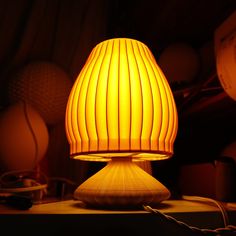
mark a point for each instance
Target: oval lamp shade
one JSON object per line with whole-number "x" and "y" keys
{"x": 45, "y": 86}
{"x": 180, "y": 63}
{"x": 121, "y": 108}
{"x": 24, "y": 137}
{"x": 225, "y": 64}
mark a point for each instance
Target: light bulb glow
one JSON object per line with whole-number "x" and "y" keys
{"x": 121, "y": 104}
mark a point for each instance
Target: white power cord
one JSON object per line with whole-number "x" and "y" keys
{"x": 208, "y": 200}
{"x": 228, "y": 229}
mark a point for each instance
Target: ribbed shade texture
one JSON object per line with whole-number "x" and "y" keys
{"x": 121, "y": 105}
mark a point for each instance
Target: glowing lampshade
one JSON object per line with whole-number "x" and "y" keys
{"x": 121, "y": 108}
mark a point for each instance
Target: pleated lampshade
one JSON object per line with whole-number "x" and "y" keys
{"x": 121, "y": 106}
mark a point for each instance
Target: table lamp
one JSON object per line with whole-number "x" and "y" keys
{"x": 121, "y": 109}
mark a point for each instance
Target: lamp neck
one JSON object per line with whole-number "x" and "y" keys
{"x": 121, "y": 159}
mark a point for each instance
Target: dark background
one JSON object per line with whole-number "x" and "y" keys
{"x": 65, "y": 31}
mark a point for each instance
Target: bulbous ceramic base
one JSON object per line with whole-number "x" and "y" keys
{"x": 121, "y": 184}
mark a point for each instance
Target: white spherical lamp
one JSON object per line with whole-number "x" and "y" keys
{"x": 180, "y": 63}
{"x": 24, "y": 137}
{"x": 45, "y": 86}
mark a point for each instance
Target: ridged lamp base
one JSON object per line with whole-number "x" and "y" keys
{"x": 121, "y": 184}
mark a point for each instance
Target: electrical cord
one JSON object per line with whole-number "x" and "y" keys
{"x": 22, "y": 188}
{"x": 217, "y": 203}
{"x": 217, "y": 232}
{"x": 62, "y": 179}
{"x": 61, "y": 187}
{"x": 228, "y": 229}
{"x": 23, "y": 181}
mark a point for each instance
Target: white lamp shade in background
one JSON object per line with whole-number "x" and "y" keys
{"x": 180, "y": 63}
{"x": 24, "y": 137}
{"x": 226, "y": 65}
{"x": 45, "y": 86}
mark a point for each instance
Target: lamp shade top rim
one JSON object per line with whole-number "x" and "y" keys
{"x": 120, "y": 39}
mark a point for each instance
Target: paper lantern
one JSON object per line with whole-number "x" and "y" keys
{"x": 45, "y": 86}
{"x": 24, "y": 137}
{"x": 180, "y": 63}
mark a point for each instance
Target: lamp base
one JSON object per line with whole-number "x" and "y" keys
{"x": 121, "y": 184}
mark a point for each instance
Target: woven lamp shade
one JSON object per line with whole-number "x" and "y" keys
{"x": 45, "y": 86}
{"x": 121, "y": 108}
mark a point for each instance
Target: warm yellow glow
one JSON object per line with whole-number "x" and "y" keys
{"x": 120, "y": 103}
